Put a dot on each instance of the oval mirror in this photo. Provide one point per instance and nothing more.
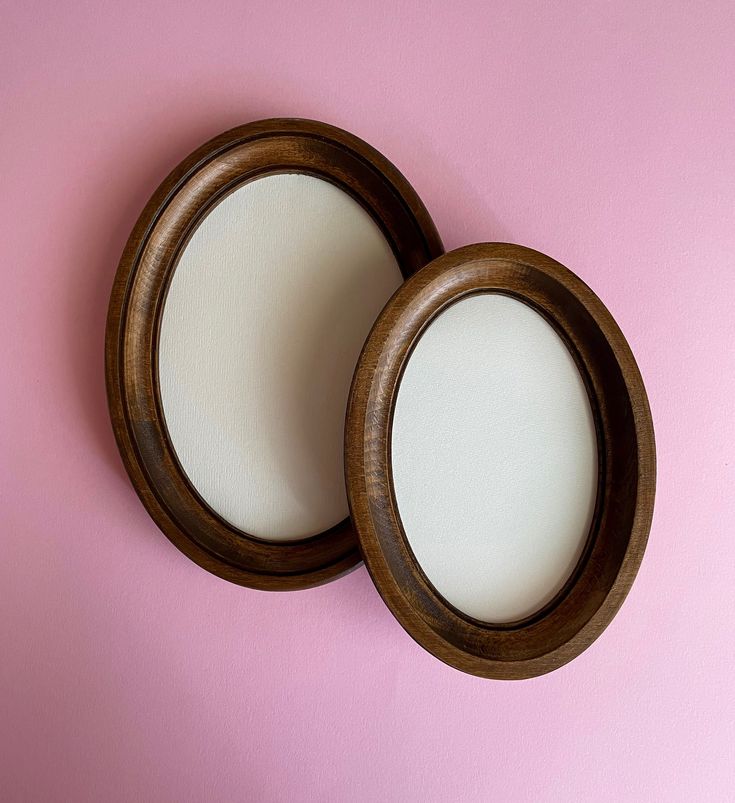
(239, 309)
(500, 461)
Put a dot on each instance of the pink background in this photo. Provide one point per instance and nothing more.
(600, 133)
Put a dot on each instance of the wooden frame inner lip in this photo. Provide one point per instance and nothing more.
(157, 318)
(411, 344)
(196, 188)
(587, 603)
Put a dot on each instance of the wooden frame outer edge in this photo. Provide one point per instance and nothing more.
(367, 463)
(175, 183)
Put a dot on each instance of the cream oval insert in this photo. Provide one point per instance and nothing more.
(263, 323)
(494, 458)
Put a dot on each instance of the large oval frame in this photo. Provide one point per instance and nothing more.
(592, 595)
(150, 257)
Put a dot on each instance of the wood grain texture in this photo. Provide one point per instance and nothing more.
(626, 464)
(165, 226)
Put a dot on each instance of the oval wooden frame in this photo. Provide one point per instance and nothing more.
(168, 221)
(626, 456)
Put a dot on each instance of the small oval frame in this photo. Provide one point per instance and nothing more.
(589, 600)
(148, 262)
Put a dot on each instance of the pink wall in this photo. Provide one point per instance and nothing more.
(600, 133)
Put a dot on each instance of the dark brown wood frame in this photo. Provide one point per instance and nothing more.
(164, 228)
(626, 455)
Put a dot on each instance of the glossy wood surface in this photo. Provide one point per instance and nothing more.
(172, 215)
(626, 464)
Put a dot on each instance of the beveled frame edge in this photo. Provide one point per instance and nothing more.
(367, 451)
(173, 185)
